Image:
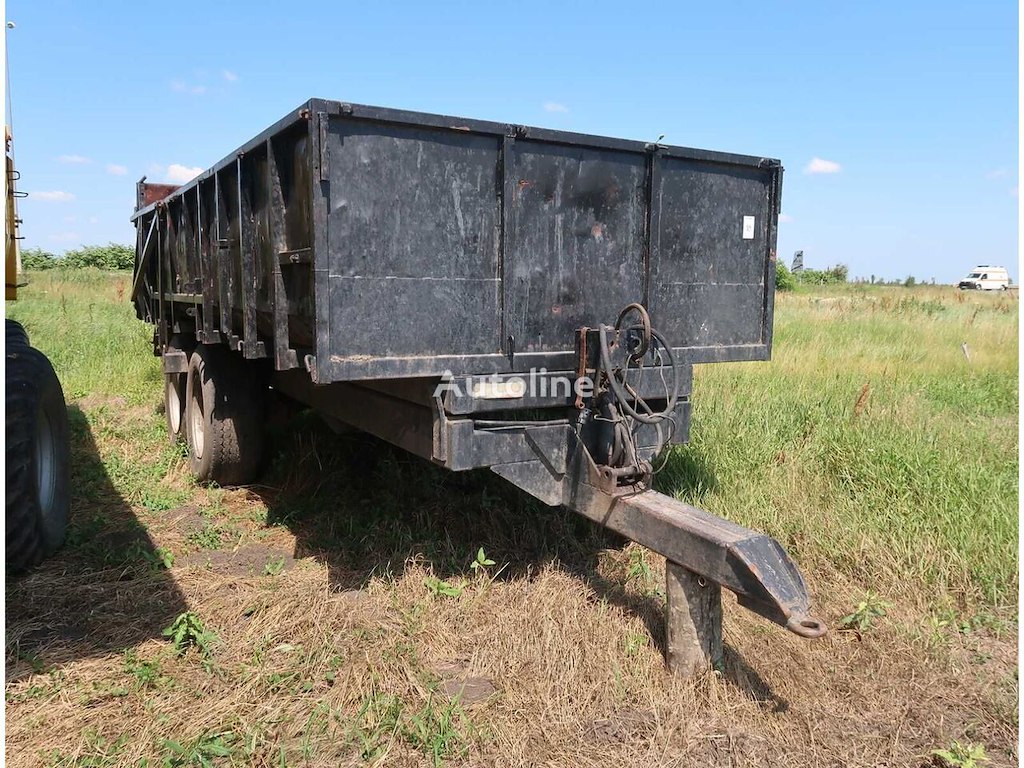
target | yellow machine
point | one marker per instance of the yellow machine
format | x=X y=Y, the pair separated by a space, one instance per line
x=12 y=260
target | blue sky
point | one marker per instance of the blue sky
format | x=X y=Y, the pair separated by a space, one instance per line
x=906 y=111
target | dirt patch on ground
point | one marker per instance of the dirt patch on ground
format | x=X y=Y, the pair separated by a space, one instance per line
x=462 y=687
x=186 y=519
x=623 y=726
x=248 y=560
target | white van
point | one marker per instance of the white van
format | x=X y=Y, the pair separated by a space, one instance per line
x=986 y=278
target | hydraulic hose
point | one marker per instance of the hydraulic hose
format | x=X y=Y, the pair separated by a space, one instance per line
x=620 y=391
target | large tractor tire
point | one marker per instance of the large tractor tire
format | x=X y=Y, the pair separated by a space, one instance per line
x=224 y=416
x=38 y=453
x=15 y=334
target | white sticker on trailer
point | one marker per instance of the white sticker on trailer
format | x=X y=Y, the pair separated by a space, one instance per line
x=748 y=227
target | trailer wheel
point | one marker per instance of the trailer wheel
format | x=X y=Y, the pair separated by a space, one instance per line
x=175 y=394
x=38 y=451
x=224 y=416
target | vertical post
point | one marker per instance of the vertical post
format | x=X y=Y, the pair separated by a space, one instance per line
x=252 y=347
x=693 y=621
x=210 y=334
x=225 y=259
x=284 y=355
x=158 y=257
x=506 y=191
x=652 y=241
x=319 y=363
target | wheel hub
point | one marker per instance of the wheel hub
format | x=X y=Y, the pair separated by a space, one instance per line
x=197 y=418
x=45 y=461
x=174 y=402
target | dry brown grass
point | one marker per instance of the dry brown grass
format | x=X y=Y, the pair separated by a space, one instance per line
x=331 y=658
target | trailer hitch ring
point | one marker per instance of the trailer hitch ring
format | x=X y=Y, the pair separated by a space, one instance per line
x=806 y=627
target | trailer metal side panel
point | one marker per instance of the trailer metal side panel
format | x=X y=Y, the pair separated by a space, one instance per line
x=576 y=240
x=413 y=242
x=708 y=281
x=367 y=243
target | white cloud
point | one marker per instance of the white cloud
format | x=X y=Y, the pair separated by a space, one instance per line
x=94 y=220
x=181 y=173
x=65 y=237
x=997 y=173
x=117 y=170
x=785 y=218
x=70 y=219
x=56 y=196
x=817 y=165
x=1014 y=192
x=180 y=86
x=230 y=76
x=73 y=160
x=554 y=106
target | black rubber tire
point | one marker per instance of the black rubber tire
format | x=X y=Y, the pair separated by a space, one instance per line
x=175 y=392
x=224 y=416
x=16 y=335
x=38 y=454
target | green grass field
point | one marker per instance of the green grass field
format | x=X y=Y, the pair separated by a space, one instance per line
x=879 y=452
x=872 y=442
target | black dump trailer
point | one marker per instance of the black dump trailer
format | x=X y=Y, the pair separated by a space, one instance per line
x=482 y=295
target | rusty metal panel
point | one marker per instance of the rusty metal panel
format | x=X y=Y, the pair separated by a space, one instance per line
x=150 y=193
